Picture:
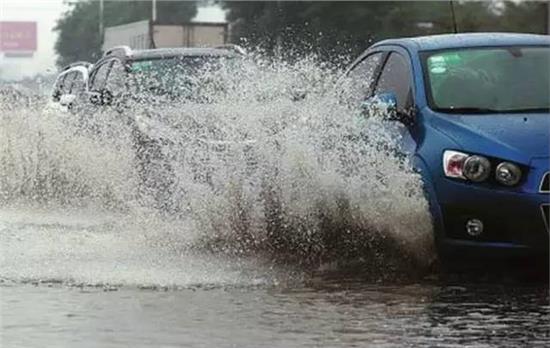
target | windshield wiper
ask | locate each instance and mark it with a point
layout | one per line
(526, 111)
(474, 110)
(467, 110)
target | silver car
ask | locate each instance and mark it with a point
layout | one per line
(71, 85)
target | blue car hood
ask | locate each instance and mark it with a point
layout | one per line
(515, 137)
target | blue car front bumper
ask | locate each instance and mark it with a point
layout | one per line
(514, 222)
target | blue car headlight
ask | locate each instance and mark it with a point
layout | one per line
(459, 165)
(476, 168)
(453, 164)
(508, 174)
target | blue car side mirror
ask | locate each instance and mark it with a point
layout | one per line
(389, 99)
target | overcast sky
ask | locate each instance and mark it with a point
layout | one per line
(46, 13)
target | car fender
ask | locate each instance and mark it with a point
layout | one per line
(427, 161)
(422, 168)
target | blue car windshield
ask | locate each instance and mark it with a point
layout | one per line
(488, 80)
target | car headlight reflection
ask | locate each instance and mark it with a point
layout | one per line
(508, 174)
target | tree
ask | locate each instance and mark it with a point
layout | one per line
(79, 37)
(524, 16)
(332, 28)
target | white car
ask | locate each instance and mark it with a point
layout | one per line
(71, 85)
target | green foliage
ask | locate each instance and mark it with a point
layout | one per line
(332, 28)
(79, 37)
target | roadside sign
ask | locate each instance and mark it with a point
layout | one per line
(17, 37)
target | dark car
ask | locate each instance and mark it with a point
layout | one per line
(124, 74)
(126, 80)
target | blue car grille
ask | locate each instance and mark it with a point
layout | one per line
(545, 183)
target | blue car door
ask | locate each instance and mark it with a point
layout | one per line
(396, 77)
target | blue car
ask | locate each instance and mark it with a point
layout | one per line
(474, 113)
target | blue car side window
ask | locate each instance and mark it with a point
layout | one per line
(363, 75)
(396, 79)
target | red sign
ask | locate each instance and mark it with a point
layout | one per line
(17, 36)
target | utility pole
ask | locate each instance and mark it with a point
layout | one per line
(101, 20)
(455, 25)
(154, 10)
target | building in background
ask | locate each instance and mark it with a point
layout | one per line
(149, 34)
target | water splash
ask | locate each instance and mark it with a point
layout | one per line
(45, 157)
(272, 163)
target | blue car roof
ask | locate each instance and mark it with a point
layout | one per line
(446, 41)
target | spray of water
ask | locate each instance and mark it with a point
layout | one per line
(268, 162)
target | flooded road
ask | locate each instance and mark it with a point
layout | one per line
(77, 278)
(264, 195)
(321, 313)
